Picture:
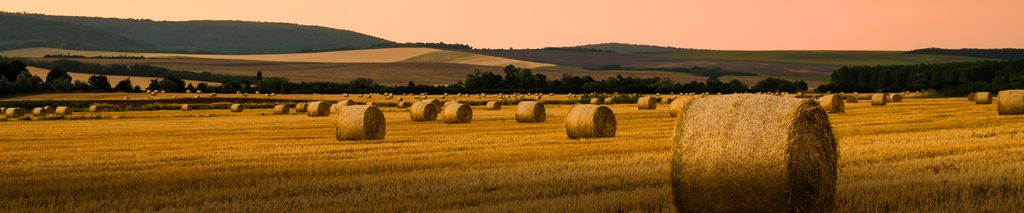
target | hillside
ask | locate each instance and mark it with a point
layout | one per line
(1006, 53)
(628, 48)
(823, 57)
(220, 37)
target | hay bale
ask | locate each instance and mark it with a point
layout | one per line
(879, 99)
(49, 109)
(437, 103)
(39, 111)
(667, 100)
(213, 95)
(972, 97)
(832, 103)
(94, 108)
(1011, 102)
(493, 105)
(282, 109)
(457, 113)
(851, 99)
(983, 98)
(530, 112)
(359, 123)
(186, 107)
(402, 104)
(14, 112)
(236, 108)
(646, 103)
(423, 111)
(865, 96)
(590, 121)
(596, 101)
(678, 104)
(301, 107)
(754, 153)
(895, 98)
(318, 109)
(62, 110)
(609, 101)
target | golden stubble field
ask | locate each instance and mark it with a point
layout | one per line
(919, 155)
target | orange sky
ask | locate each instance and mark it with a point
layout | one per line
(719, 24)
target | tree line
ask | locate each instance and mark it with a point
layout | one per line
(1006, 53)
(951, 79)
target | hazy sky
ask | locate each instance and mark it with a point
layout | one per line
(711, 24)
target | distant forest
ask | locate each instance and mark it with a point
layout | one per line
(979, 53)
(952, 79)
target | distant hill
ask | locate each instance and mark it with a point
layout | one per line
(135, 35)
(628, 48)
(980, 53)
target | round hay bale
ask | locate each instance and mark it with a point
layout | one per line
(590, 121)
(753, 153)
(423, 111)
(983, 98)
(596, 101)
(359, 122)
(370, 103)
(49, 109)
(457, 113)
(14, 112)
(832, 103)
(94, 108)
(1011, 102)
(213, 95)
(334, 108)
(301, 107)
(851, 99)
(667, 100)
(236, 108)
(646, 103)
(318, 109)
(186, 107)
(879, 99)
(435, 102)
(972, 97)
(63, 110)
(402, 104)
(493, 105)
(39, 111)
(865, 96)
(895, 98)
(446, 103)
(608, 101)
(281, 109)
(678, 104)
(530, 112)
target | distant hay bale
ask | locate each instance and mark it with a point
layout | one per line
(972, 97)
(301, 107)
(832, 103)
(879, 99)
(1011, 102)
(281, 109)
(678, 104)
(646, 103)
(667, 100)
(94, 108)
(446, 103)
(530, 112)
(63, 110)
(14, 112)
(493, 105)
(754, 153)
(402, 104)
(983, 98)
(236, 108)
(851, 98)
(49, 109)
(609, 101)
(457, 113)
(213, 95)
(596, 101)
(186, 107)
(435, 102)
(359, 122)
(590, 121)
(895, 98)
(318, 109)
(865, 96)
(423, 111)
(39, 111)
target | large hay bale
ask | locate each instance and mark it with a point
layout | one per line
(435, 102)
(879, 99)
(895, 98)
(596, 101)
(334, 108)
(493, 105)
(983, 98)
(318, 109)
(851, 99)
(186, 107)
(39, 111)
(590, 121)
(832, 103)
(754, 153)
(609, 101)
(678, 104)
(1011, 102)
(14, 112)
(359, 122)
(63, 110)
(236, 108)
(865, 96)
(423, 111)
(530, 112)
(972, 97)
(457, 113)
(301, 107)
(282, 109)
(345, 103)
(646, 103)
(666, 100)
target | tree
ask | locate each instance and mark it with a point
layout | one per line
(60, 85)
(99, 83)
(153, 85)
(259, 75)
(11, 70)
(124, 85)
(58, 72)
(26, 82)
(190, 87)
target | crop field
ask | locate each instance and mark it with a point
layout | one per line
(139, 81)
(829, 57)
(920, 155)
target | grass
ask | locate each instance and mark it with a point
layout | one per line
(828, 57)
(472, 58)
(139, 81)
(914, 156)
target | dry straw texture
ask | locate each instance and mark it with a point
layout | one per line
(865, 96)
(879, 99)
(754, 153)
(435, 102)
(457, 113)
(832, 103)
(1011, 102)
(590, 121)
(63, 110)
(301, 107)
(423, 111)
(186, 107)
(895, 98)
(595, 101)
(850, 99)
(318, 109)
(983, 98)
(530, 112)
(646, 102)
(237, 108)
(346, 102)
(359, 122)
(282, 109)
(666, 100)
(14, 112)
(678, 104)
(39, 111)
(493, 105)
